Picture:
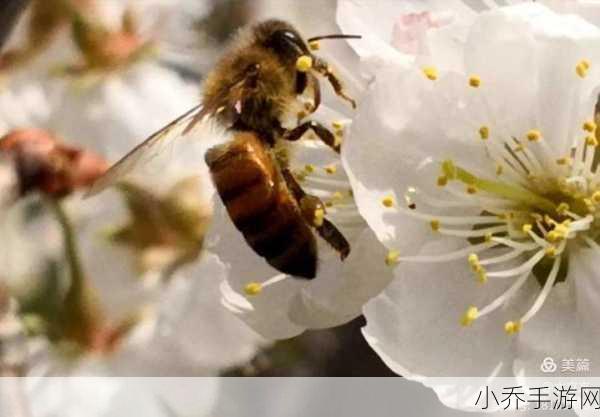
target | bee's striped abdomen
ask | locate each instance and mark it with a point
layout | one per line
(261, 206)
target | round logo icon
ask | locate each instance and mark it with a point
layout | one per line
(548, 365)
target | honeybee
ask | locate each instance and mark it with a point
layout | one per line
(252, 87)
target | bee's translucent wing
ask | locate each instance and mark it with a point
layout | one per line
(150, 148)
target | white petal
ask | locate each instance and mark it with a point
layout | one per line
(414, 324)
(338, 296)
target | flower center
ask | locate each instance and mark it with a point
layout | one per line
(531, 210)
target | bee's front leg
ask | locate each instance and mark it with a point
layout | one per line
(313, 211)
(321, 131)
(323, 68)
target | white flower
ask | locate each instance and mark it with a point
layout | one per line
(490, 182)
(279, 306)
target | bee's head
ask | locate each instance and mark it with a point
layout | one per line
(283, 39)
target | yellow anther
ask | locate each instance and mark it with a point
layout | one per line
(591, 141)
(337, 196)
(484, 132)
(309, 168)
(562, 208)
(488, 237)
(534, 135)
(519, 148)
(471, 189)
(589, 126)
(442, 181)
(337, 139)
(473, 260)
(319, 216)
(596, 197)
(337, 125)
(431, 73)
(527, 228)
(553, 236)
(331, 169)
(564, 161)
(314, 45)
(512, 327)
(499, 169)
(589, 204)
(304, 63)
(392, 258)
(253, 288)
(474, 81)
(551, 251)
(470, 316)
(582, 68)
(481, 275)
(388, 201)
(435, 225)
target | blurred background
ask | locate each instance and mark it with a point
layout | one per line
(92, 78)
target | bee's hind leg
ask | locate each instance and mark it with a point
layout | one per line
(313, 211)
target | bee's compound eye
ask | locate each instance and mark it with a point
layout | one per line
(287, 43)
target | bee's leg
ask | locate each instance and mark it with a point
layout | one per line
(303, 81)
(323, 68)
(321, 131)
(313, 211)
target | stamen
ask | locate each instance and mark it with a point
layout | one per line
(392, 258)
(582, 68)
(470, 316)
(589, 126)
(314, 45)
(534, 135)
(544, 293)
(474, 81)
(435, 225)
(431, 73)
(511, 327)
(388, 201)
(450, 256)
(331, 169)
(525, 267)
(484, 132)
(319, 216)
(253, 288)
(507, 295)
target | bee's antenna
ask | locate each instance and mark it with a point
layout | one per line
(336, 36)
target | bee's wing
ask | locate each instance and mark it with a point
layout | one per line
(150, 148)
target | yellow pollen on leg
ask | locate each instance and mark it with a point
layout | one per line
(431, 73)
(435, 225)
(470, 316)
(304, 63)
(253, 288)
(319, 216)
(475, 81)
(512, 327)
(591, 141)
(484, 132)
(589, 126)
(392, 258)
(534, 135)
(388, 201)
